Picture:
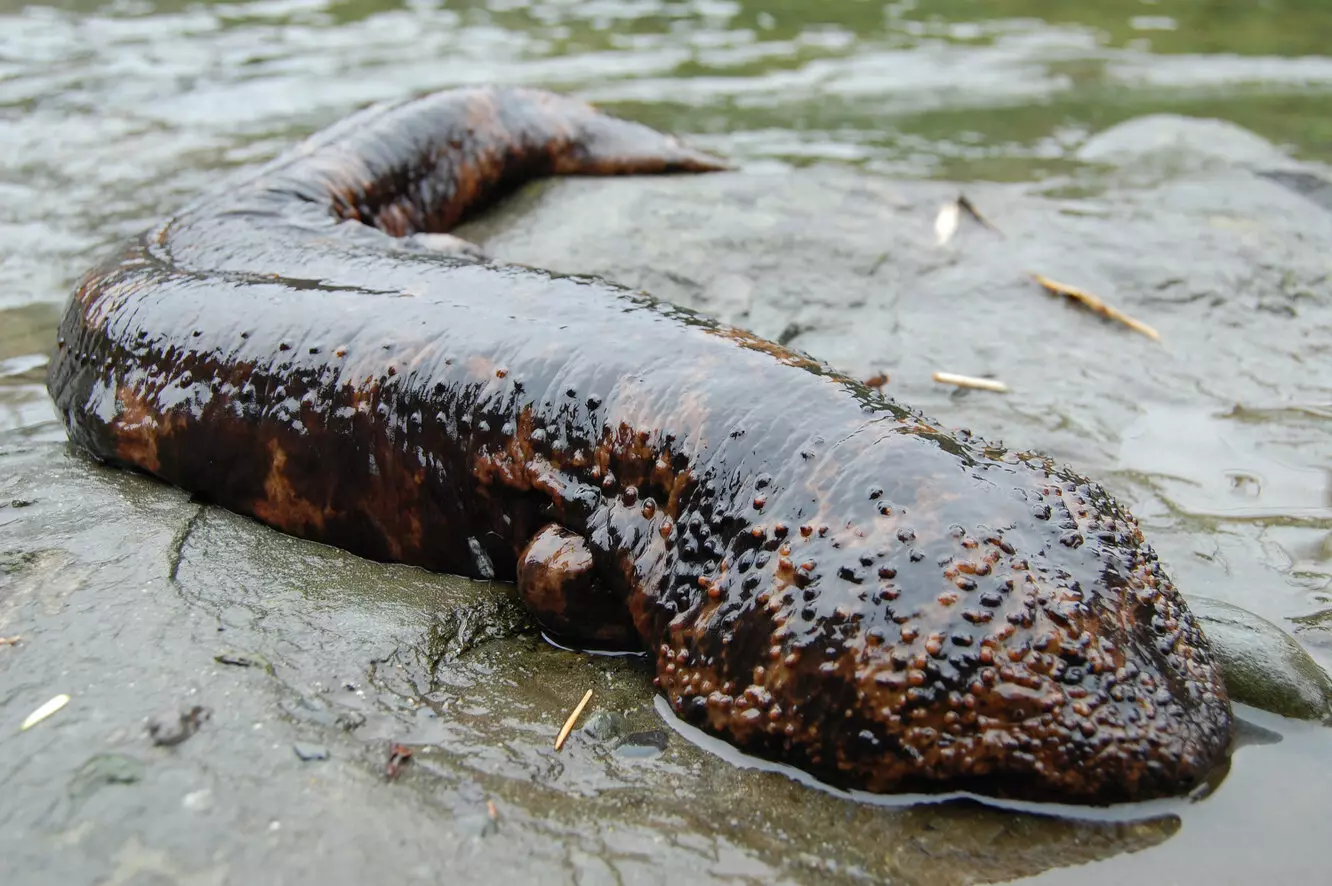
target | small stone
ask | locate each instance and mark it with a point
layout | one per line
(173, 727)
(308, 752)
(605, 725)
(309, 709)
(1263, 665)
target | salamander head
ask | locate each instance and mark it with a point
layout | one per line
(997, 626)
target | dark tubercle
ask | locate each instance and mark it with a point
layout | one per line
(821, 575)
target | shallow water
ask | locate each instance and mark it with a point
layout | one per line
(111, 115)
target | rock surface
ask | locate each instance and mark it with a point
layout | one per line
(135, 600)
(1263, 665)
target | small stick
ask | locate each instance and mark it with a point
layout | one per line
(1095, 304)
(10, 641)
(44, 711)
(573, 718)
(970, 209)
(971, 381)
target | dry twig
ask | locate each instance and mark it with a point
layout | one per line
(971, 381)
(1095, 304)
(970, 209)
(573, 718)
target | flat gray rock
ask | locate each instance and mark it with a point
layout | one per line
(134, 600)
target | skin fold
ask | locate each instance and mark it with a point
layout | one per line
(822, 576)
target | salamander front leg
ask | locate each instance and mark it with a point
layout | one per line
(558, 581)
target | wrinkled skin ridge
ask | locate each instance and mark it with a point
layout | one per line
(822, 576)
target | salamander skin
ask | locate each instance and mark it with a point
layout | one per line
(822, 576)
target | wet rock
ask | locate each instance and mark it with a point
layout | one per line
(605, 725)
(458, 630)
(1173, 137)
(310, 709)
(1307, 184)
(310, 752)
(101, 770)
(173, 727)
(13, 562)
(643, 744)
(811, 246)
(1263, 665)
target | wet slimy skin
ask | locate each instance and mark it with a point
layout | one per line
(822, 576)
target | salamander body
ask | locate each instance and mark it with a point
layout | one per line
(822, 576)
